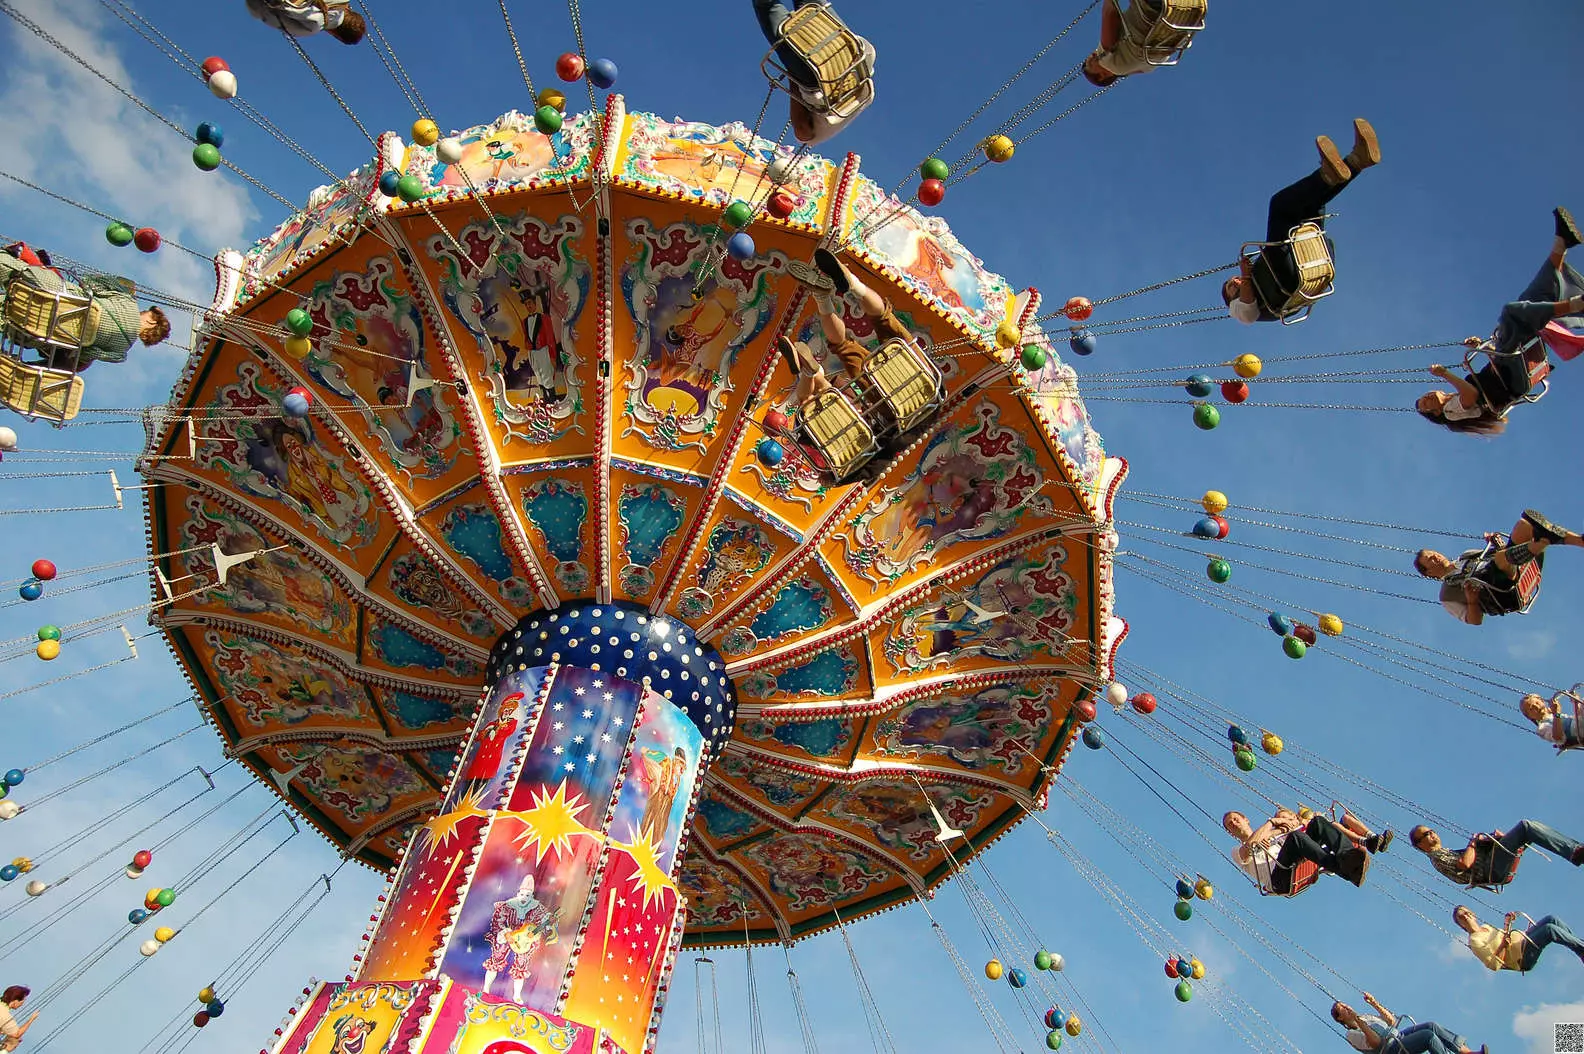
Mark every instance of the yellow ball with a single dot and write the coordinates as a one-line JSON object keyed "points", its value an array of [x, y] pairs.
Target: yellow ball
{"points": [[1196, 969], [1074, 1026], [22, 864], [425, 132], [206, 995], [151, 894], [298, 347], [1247, 366], [993, 969], [1007, 335], [1203, 889], [163, 934], [1272, 743], [1330, 625], [553, 97], [1213, 502], [47, 649], [998, 148]]}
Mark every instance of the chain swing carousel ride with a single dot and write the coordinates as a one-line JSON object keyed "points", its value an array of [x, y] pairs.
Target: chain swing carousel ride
{"points": [[498, 555]]}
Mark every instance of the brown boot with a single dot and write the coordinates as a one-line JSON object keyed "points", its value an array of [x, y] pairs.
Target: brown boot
{"points": [[1366, 147], [1353, 865], [1333, 169]]}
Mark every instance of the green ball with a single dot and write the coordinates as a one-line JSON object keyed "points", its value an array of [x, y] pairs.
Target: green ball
{"points": [[1245, 760], [737, 215], [1183, 910], [548, 120], [1042, 960], [118, 234], [299, 322], [410, 188], [206, 156], [1033, 357], [1053, 1039], [1206, 416], [1184, 991], [1295, 648], [1219, 570], [166, 898], [49, 633], [934, 168]]}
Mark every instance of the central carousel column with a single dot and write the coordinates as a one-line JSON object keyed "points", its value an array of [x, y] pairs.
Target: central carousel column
{"points": [[538, 910]]}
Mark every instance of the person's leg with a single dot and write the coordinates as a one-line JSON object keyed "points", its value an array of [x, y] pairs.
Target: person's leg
{"points": [[1550, 930], [1426, 1038], [1293, 204], [772, 14], [1320, 842], [1528, 832], [1356, 829]]}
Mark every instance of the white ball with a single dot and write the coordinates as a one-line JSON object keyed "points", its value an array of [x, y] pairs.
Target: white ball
{"points": [[1117, 694], [223, 84], [1057, 962], [8, 438], [449, 150], [149, 947], [9, 810], [36, 888], [779, 170]]}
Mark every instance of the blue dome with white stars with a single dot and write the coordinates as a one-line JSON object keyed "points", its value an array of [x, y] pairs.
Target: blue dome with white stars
{"points": [[632, 642]]}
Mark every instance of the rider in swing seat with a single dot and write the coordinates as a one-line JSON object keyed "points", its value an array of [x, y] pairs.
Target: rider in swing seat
{"points": [[305, 18], [1490, 581], [115, 320], [828, 71], [1148, 35], [1555, 722]]}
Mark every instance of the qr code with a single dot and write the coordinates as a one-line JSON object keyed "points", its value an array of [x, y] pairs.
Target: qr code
{"points": [[1570, 1039]]}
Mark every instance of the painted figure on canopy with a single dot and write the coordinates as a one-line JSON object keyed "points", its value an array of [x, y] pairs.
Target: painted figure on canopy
{"points": [[519, 927], [491, 743], [664, 776]]}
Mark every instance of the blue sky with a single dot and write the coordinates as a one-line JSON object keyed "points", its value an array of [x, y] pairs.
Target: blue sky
{"points": [[1163, 176]]}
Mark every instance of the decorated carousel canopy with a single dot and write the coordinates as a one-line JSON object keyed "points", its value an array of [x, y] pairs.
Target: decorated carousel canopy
{"points": [[506, 409]]}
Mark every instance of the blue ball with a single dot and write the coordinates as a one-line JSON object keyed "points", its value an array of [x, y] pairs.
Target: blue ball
{"points": [[390, 183], [1199, 386], [1236, 734], [1206, 528], [32, 589], [601, 73], [1054, 1018], [14, 778], [1185, 890], [1093, 738], [137, 916], [1082, 343], [9, 872], [295, 405], [769, 452], [1017, 978], [741, 246], [211, 133], [215, 1008], [1280, 624]]}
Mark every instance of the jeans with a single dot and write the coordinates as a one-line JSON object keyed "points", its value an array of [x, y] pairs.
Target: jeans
{"points": [[1320, 842], [1528, 832], [1292, 205], [1524, 318], [771, 14], [1549, 930], [1425, 1038]]}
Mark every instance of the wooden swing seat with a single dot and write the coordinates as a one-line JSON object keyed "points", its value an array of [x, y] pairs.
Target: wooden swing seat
{"points": [[903, 382], [38, 391], [1162, 39], [49, 320], [1312, 263], [841, 440], [843, 61], [1527, 586]]}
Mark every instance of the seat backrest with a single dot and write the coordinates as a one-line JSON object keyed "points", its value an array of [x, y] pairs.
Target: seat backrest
{"points": [[1304, 874], [835, 52], [1171, 29], [42, 318], [1529, 583], [1312, 255]]}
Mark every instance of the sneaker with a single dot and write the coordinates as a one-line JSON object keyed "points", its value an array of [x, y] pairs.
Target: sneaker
{"points": [[1333, 169], [1353, 865], [810, 277], [826, 261], [1379, 843], [1543, 528], [1566, 229], [788, 351], [1577, 857]]}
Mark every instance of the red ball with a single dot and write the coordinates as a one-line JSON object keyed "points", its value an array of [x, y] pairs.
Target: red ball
{"points": [[569, 67], [147, 239], [1085, 709], [214, 64], [1223, 528], [776, 421], [931, 192], [1171, 967], [1078, 308], [201, 1018], [1305, 634], [43, 570], [781, 204], [142, 859], [1144, 703], [1234, 391]]}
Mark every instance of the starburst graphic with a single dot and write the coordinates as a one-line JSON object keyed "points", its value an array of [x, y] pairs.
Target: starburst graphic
{"points": [[648, 880], [434, 834], [551, 823]]}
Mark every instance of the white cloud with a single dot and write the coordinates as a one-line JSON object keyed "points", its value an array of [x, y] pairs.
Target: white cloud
{"points": [[1538, 1026], [1534, 645], [86, 141]]}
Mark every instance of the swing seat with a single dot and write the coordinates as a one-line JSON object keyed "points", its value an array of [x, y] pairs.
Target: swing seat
{"points": [[837, 438], [1498, 881], [843, 61], [1515, 601], [49, 320], [1576, 693], [1162, 39], [1288, 297], [901, 383], [38, 391], [1497, 396]]}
